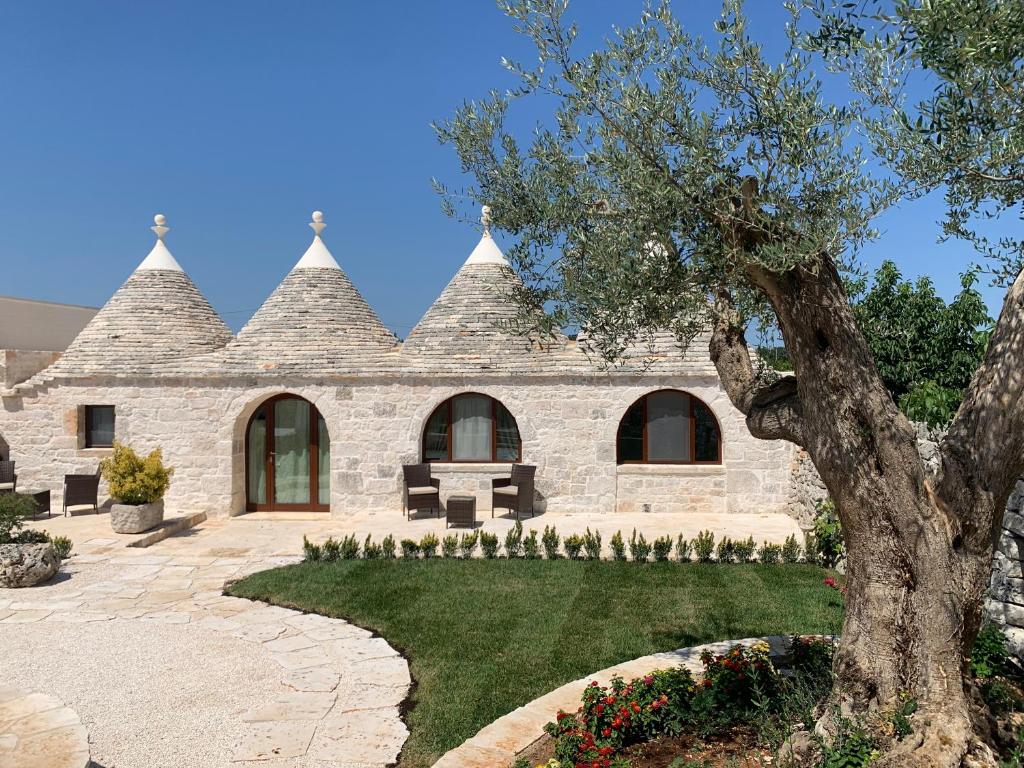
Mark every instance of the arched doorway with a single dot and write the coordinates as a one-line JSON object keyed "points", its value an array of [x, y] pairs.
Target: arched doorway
{"points": [[287, 457]]}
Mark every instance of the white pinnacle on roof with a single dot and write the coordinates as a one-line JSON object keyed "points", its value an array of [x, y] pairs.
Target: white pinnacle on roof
{"points": [[160, 257], [486, 251], [317, 255]]}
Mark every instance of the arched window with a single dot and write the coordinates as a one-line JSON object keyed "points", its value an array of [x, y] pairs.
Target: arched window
{"points": [[471, 427], [669, 427]]}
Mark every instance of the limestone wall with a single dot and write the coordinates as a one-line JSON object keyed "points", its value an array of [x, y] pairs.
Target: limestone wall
{"points": [[17, 365], [568, 428], [1006, 593]]}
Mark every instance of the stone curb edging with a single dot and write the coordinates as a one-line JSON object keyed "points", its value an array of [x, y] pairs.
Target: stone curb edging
{"points": [[496, 745], [36, 729], [168, 528]]}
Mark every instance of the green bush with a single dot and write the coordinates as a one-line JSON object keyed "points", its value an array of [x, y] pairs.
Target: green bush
{"points": [[331, 550], [132, 479], [449, 546], [489, 545], [828, 535], [684, 551], [15, 508], [852, 747], [372, 551], [349, 548], [662, 548], [429, 545], [388, 548], [639, 549], [744, 550], [811, 554], [410, 549], [704, 546], [514, 541], [769, 554], [726, 551], [592, 544], [550, 540], [791, 550], [311, 552], [618, 547], [63, 546], [467, 544], [573, 544], [531, 546], [989, 656], [31, 536]]}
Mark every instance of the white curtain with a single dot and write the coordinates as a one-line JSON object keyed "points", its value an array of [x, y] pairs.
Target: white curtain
{"points": [[257, 459], [471, 428], [668, 426], [324, 466], [291, 452]]}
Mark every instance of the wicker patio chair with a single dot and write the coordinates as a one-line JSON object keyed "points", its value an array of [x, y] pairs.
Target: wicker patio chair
{"points": [[421, 490], [514, 493], [81, 490], [8, 480]]}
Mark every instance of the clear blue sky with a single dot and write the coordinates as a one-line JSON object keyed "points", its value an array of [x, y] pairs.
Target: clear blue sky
{"points": [[236, 119]]}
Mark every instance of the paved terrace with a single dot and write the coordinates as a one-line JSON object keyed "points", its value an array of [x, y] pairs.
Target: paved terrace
{"points": [[163, 669]]}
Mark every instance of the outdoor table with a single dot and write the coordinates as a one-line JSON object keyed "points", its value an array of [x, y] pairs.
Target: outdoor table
{"points": [[461, 510]]}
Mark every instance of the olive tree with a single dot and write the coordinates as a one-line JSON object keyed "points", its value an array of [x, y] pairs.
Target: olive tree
{"points": [[683, 184]]}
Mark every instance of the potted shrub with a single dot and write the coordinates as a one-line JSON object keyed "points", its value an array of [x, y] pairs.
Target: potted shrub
{"points": [[137, 485], [27, 557]]}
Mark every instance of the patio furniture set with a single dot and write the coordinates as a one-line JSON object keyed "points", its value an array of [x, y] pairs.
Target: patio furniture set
{"points": [[79, 490], [514, 493]]}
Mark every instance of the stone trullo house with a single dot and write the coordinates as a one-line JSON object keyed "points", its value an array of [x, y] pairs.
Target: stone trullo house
{"points": [[315, 405]]}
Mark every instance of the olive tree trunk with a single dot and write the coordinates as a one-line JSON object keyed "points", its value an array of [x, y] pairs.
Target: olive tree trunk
{"points": [[919, 546]]}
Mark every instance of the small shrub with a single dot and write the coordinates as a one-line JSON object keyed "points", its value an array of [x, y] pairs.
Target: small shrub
{"points": [[1001, 697], [573, 544], [531, 546], [349, 548], [388, 548], [372, 551], [769, 554], [726, 550], [900, 717], [704, 546], [639, 549], [592, 544], [618, 547], [489, 545], [662, 548], [514, 541], [989, 656], [15, 508], [811, 554], [828, 534], [311, 552], [737, 687], [449, 546], [467, 544], [331, 550], [852, 747], [550, 540], [811, 659], [744, 550], [63, 546], [31, 536], [410, 549], [791, 550], [428, 545], [135, 480], [684, 552]]}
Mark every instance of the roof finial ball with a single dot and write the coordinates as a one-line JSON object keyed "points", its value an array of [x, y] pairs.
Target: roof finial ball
{"points": [[161, 227], [317, 225], [485, 219]]}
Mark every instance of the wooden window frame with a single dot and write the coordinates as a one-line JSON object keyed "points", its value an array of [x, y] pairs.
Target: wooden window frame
{"points": [[450, 434], [268, 461], [87, 426], [692, 418]]}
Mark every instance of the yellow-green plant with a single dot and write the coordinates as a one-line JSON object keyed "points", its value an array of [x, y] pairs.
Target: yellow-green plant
{"points": [[133, 479]]}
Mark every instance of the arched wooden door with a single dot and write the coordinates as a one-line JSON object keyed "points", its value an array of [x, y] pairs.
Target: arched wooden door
{"points": [[287, 457]]}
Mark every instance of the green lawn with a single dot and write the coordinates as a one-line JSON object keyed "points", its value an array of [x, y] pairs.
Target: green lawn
{"points": [[486, 636]]}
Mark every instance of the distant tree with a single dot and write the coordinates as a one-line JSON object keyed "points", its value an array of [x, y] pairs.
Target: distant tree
{"points": [[926, 350], [675, 171]]}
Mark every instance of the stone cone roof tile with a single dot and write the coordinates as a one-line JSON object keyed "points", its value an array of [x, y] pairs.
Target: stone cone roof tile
{"points": [[157, 316]]}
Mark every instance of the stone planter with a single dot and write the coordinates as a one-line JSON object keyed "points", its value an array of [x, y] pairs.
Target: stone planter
{"points": [[136, 518], [25, 565]]}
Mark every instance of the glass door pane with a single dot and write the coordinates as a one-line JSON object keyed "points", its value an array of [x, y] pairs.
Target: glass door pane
{"points": [[471, 430], [257, 458], [668, 426], [324, 461], [291, 452]]}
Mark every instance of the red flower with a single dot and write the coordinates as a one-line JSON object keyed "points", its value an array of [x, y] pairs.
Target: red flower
{"points": [[649, 679], [606, 732]]}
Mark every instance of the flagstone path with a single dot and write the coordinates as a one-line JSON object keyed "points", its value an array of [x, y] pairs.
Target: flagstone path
{"points": [[334, 702]]}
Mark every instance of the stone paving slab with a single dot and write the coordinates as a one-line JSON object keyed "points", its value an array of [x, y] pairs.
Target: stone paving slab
{"points": [[37, 730]]}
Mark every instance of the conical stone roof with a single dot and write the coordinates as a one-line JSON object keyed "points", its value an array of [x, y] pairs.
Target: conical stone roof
{"points": [[315, 321], [468, 324], [157, 316]]}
